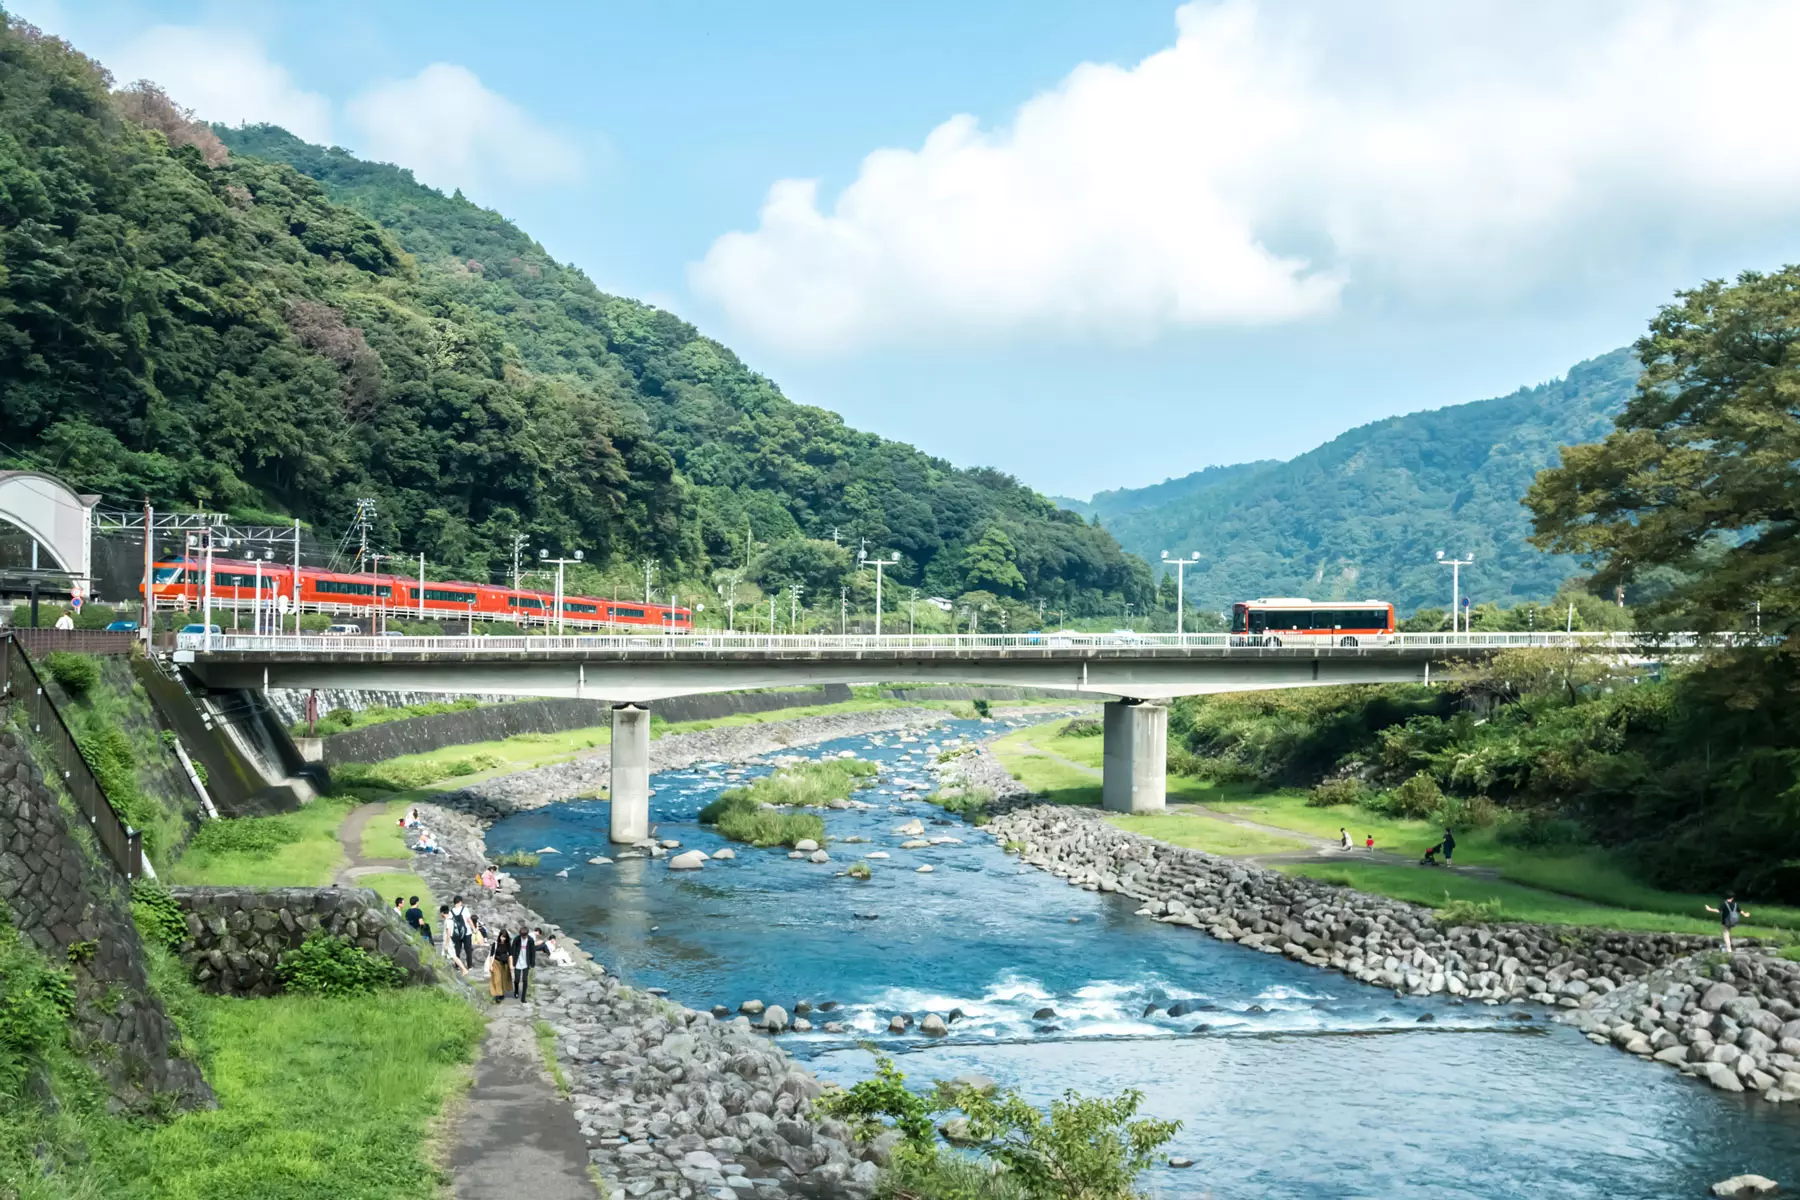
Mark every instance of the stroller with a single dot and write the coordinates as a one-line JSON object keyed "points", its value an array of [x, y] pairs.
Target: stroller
{"points": [[1431, 859]]}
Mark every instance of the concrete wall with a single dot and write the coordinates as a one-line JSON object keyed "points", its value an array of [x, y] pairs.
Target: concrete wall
{"points": [[987, 693], [416, 735], [237, 936], [72, 904]]}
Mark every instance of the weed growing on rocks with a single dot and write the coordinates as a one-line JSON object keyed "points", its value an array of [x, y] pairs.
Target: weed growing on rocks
{"points": [[331, 966]]}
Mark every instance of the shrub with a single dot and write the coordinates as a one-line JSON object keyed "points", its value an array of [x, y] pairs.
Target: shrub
{"points": [[74, 673], [1341, 789], [1081, 727], [36, 1002], [1540, 831], [859, 870], [1419, 798], [968, 803], [983, 708], [253, 837], [1222, 769], [1468, 912], [328, 965], [156, 914], [1470, 812], [516, 858], [809, 783]]}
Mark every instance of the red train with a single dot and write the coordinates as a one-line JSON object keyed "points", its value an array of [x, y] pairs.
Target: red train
{"points": [[234, 584]]}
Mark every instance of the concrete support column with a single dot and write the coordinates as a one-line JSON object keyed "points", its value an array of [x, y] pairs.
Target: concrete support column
{"points": [[1135, 757], [630, 773]]}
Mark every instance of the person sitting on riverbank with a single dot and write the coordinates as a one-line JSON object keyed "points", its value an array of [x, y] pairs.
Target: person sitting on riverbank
{"points": [[427, 844], [490, 878], [556, 954]]}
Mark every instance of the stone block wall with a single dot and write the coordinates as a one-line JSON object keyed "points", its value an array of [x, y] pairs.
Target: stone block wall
{"points": [[237, 936], [73, 905]]}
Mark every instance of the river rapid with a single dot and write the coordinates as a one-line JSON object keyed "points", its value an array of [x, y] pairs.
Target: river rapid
{"points": [[1290, 1081]]}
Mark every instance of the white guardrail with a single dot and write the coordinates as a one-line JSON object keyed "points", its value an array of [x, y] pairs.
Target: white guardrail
{"points": [[712, 643]]}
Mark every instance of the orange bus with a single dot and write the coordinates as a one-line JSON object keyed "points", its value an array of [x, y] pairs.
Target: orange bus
{"points": [[1265, 622]]}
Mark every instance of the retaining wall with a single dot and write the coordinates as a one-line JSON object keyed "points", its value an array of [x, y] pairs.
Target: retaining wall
{"points": [[236, 936], [417, 735], [73, 905], [988, 693]]}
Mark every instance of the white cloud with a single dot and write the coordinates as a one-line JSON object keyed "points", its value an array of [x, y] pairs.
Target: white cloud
{"points": [[454, 132], [1279, 154], [224, 75]]}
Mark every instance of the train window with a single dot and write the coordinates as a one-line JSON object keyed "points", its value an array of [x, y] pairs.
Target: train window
{"points": [[571, 606], [443, 595], [231, 579], [168, 575], [628, 614], [344, 587], [524, 602]]}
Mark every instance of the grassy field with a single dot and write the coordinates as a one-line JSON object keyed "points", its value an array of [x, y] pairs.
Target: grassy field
{"points": [[1573, 886], [389, 884], [382, 836], [325, 1099], [312, 859]]}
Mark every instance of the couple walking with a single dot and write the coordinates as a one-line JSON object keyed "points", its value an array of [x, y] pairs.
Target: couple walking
{"points": [[511, 959]]}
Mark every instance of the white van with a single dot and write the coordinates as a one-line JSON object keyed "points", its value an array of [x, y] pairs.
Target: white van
{"points": [[343, 631]]}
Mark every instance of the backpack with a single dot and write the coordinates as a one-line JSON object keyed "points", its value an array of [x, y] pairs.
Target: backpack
{"points": [[461, 926]]}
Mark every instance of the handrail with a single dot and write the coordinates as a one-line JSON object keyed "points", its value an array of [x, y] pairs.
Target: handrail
{"points": [[19, 681], [712, 643]]}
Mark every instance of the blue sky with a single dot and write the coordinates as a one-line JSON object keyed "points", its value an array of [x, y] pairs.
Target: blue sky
{"points": [[1093, 245]]}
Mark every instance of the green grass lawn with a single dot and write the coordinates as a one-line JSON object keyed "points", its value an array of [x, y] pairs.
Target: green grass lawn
{"points": [[318, 1100], [313, 859], [389, 884], [1203, 833], [382, 836]]}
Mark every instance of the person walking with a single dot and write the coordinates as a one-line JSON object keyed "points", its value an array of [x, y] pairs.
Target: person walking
{"points": [[457, 927], [415, 917], [449, 947], [1449, 845], [1343, 838], [525, 950], [502, 953], [1369, 843], [496, 968], [1729, 916]]}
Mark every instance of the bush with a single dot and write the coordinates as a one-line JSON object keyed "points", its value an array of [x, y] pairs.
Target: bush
{"points": [[1468, 912], [1221, 769], [1081, 727], [158, 917], [810, 783], [1541, 831], [76, 674], [36, 1002], [968, 803], [328, 965], [1339, 790], [983, 708], [1468, 812], [859, 870], [253, 837], [516, 858], [1418, 798]]}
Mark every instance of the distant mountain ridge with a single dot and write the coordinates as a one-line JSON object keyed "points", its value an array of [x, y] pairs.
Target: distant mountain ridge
{"points": [[1363, 515]]}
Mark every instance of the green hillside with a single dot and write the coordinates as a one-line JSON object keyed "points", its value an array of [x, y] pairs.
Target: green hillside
{"points": [[193, 320], [1363, 515]]}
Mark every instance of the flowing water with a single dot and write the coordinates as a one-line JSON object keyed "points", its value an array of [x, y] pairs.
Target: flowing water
{"points": [[1290, 1081]]}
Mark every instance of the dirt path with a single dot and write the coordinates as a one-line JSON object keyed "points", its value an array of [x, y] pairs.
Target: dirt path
{"points": [[350, 836], [1323, 849]]}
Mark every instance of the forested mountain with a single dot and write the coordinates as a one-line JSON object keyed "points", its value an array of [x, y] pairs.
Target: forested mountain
{"points": [[1363, 515], [187, 317]]}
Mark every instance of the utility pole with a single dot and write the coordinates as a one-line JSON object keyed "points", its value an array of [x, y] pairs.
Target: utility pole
{"points": [[518, 544], [296, 576], [912, 606], [1180, 595], [794, 590], [1456, 565], [544, 557], [365, 513], [144, 626], [862, 556], [843, 611], [421, 585], [380, 609], [649, 573], [771, 616]]}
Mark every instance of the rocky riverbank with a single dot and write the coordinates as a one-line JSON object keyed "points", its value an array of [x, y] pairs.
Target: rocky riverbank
{"points": [[585, 776], [1732, 1020]]}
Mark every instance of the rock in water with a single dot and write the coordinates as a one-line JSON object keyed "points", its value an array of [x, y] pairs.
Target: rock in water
{"points": [[1744, 1185], [599, 860], [818, 856], [563, 874], [979, 1083], [956, 1131], [876, 854], [915, 844], [933, 1026], [775, 1018], [751, 1008], [688, 861], [898, 1024], [720, 1012], [1043, 1014], [726, 854], [1175, 1160], [925, 870], [548, 850], [801, 1025], [912, 828], [670, 844], [806, 845], [801, 1008]]}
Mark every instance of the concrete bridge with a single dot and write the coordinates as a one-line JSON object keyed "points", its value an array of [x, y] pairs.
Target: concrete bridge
{"points": [[1130, 673]]}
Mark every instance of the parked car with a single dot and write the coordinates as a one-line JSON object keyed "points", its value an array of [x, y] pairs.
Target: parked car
{"points": [[343, 631], [200, 629], [122, 627]]}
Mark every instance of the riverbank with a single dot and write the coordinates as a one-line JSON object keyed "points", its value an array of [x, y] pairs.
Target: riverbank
{"points": [[1731, 1020]]}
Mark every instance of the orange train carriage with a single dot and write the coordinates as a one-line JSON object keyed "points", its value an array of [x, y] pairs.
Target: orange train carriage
{"points": [[235, 583]]}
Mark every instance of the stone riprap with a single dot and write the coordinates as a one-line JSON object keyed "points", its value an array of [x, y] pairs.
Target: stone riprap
{"points": [[495, 798], [71, 903], [1727, 1020], [237, 936], [672, 1103]]}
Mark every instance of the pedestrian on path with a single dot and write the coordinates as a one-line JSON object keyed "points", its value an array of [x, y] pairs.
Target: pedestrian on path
{"points": [[1343, 838], [497, 980], [1369, 843], [449, 947], [456, 925], [1449, 845], [1729, 916], [502, 953], [525, 950]]}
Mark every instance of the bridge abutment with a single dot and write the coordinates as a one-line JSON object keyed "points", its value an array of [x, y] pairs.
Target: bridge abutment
{"points": [[630, 773], [1134, 762]]}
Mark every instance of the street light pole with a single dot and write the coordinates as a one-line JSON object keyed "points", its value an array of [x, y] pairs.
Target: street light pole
{"points": [[1456, 565], [877, 563], [544, 557], [1180, 564]]}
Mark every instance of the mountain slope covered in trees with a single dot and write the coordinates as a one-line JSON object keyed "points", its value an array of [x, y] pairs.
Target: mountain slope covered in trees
{"points": [[195, 320], [1364, 515]]}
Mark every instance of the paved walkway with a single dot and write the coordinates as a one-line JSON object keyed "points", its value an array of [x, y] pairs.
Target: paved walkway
{"points": [[1322, 848], [516, 1138], [350, 836]]}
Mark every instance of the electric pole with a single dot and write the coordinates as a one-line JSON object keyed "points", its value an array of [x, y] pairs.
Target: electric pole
{"points": [[1180, 564], [518, 541], [862, 556], [1456, 565], [544, 557], [794, 590]]}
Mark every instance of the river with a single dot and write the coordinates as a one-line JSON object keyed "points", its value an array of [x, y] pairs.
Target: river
{"points": [[1290, 1081]]}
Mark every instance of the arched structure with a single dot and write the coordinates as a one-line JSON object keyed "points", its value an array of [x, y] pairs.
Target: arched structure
{"points": [[56, 516]]}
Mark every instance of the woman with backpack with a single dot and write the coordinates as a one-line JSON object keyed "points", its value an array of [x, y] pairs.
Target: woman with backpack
{"points": [[1729, 916]]}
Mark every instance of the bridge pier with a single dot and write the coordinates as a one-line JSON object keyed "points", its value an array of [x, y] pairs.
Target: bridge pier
{"points": [[1134, 757], [630, 773]]}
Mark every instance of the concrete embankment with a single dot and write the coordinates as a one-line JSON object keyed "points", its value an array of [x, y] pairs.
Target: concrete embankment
{"points": [[670, 1101], [1732, 1020]]}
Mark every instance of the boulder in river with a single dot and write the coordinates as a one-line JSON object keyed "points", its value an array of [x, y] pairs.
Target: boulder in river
{"points": [[1043, 1014], [933, 1026], [751, 1008], [1175, 1160], [819, 856], [828, 1006], [670, 844], [806, 845], [688, 861], [720, 1012], [726, 853], [548, 850], [775, 1018], [915, 844], [876, 854], [1745, 1185], [925, 870], [912, 828], [972, 1081], [599, 860], [898, 1024]]}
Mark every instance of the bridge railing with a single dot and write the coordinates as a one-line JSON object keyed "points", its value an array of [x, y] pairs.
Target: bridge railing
{"points": [[713, 643]]}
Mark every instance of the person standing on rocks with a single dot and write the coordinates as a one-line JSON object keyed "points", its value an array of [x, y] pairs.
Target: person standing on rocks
{"points": [[457, 928], [1729, 916], [525, 950]]}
